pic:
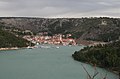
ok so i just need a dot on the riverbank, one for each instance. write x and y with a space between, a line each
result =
90 43
106 56
16 48
98 66
12 48
108 69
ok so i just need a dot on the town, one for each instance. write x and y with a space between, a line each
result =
57 39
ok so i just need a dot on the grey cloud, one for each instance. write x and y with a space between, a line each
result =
59 8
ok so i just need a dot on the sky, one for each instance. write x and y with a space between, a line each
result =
60 8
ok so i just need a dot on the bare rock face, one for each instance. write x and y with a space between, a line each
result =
82 28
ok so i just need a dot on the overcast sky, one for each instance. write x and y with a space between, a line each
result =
60 8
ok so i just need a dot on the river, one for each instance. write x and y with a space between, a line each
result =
45 63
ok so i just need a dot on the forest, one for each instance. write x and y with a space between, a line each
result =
106 56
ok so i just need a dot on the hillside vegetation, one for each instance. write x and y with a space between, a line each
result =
8 40
96 29
106 56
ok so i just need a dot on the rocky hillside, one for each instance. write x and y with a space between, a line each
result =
99 29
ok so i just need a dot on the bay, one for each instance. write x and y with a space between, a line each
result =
46 63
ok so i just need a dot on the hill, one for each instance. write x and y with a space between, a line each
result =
106 56
96 29
8 40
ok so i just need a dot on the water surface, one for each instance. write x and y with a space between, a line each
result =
42 63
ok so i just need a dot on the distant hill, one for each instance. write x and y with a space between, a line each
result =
8 40
106 56
98 29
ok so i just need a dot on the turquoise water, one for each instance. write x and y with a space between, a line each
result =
42 63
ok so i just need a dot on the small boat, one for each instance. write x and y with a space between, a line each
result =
29 47
57 47
44 46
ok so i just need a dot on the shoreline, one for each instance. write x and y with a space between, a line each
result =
10 48
90 42
108 69
13 48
